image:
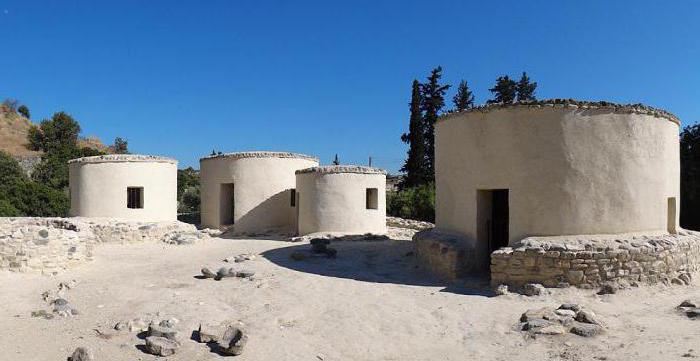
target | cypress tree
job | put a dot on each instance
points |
(504, 91)
(415, 162)
(464, 99)
(433, 94)
(526, 89)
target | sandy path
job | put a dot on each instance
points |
(368, 304)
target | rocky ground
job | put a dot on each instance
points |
(370, 302)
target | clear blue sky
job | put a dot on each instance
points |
(179, 78)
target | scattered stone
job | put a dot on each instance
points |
(245, 274)
(209, 333)
(81, 354)
(686, 278)
(534, 289)
(689, 303)
(62, 308)
(570, 306)
(169, 323)
(608, 288)
(540, 313)
(585, 316)
(161, 346)
(535, 324)
(240, 258)
(552, 329)
(207, 273)
(501, 290)
(693, 313)
(585, 329)
(233, 341)
(161, 331)
(565, 313)
(224, 272)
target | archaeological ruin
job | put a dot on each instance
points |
(526, 190)
(124, 186)
(341, 200)
(253, 191)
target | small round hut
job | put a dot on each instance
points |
(126, 186)
(253, 191)
(341, 199)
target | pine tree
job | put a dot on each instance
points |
(24, 110)
(433, 94)
(464, 99)
(121, 146)
(504, 91)
(414, 167)
(335, 160)
(526, 89)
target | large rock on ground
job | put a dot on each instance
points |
(160, 331)
(81, 354)
(585, 329)
(161, 346)
(233, 341)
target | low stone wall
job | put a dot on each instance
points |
(586, 263)
(48, 245)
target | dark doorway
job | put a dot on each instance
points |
(492, 224)
(226, 199)
(499, 220)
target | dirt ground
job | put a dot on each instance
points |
(370, 303)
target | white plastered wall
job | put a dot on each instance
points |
(98, 188)
(569, 171)
(336, 203)
(262, 185)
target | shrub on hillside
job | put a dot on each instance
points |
(413, 203)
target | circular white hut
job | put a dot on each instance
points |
(558, 167)
(253, 191)
(127, 186)
(341, 199)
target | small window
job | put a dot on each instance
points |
(371, 198)
(293, 200)
(134, 197)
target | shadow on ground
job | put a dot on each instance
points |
(388, 261)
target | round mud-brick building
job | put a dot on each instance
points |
(252, 191)
(125, 186)
(341, 200)
(552, 168)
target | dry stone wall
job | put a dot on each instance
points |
(48, 245)
(589, 263)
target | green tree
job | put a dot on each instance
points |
(433, 100)
(56, 135)
(526, 89)
(335, 160)
(504, 91)
(413, 203)
(24, 110)
(186, 178)
(415, 166)
(690, 173)
(464, 99)
(121, 146)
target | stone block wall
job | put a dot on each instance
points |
(641, 259)
(48, 245)
(45, 245)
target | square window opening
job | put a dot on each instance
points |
(372, 198)
(134, 197)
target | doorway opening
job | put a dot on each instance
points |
(492, 222)
(671, 215)
(226, 204)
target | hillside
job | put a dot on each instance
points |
(13, 136)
